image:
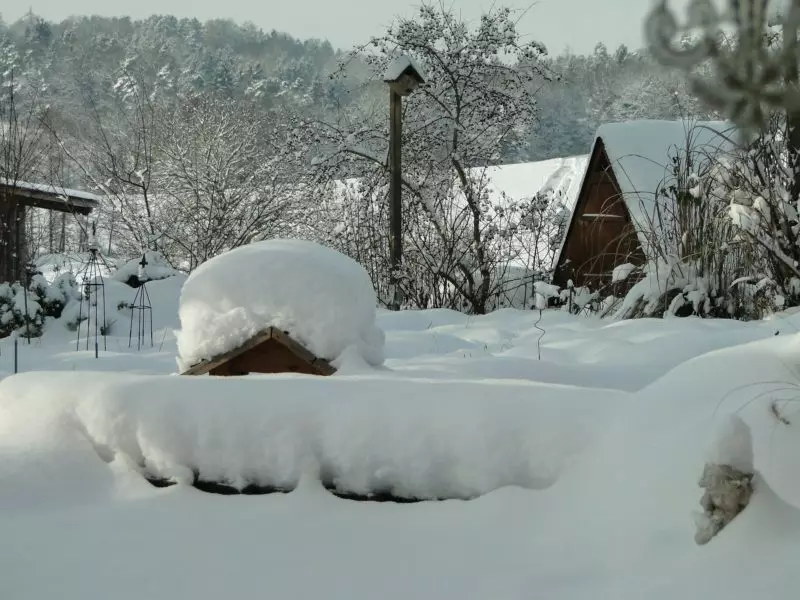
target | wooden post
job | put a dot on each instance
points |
(19, 223)
(395, 197)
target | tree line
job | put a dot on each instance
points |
(202, 137)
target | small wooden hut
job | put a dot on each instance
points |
(16, 197)
(271, 351)
(620, 216)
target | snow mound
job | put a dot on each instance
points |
(132, 272)
(415, 439)
(733, 445)
(324, 299)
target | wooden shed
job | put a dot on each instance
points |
(16, 197)
(271, 351)
(619, 216)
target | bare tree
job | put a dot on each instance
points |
(23, 143)
(114, 153)
(223, 174)
(479, 101)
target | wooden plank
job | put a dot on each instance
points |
(205, 366)
(37, 199)
(323, 366)
(319, 364)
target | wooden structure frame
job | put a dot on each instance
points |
(271, 351)
(625, 212)
(601, 233)
(15, 198)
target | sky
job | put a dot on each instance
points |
(575, 24)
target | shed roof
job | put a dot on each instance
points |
(52, 197)
(270, 333)
(513, 183)
(640, 153)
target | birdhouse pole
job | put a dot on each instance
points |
(395, 195)
(403, 77)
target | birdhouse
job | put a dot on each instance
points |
(272, 351)
(403, 75)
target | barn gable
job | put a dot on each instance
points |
(600, 231)
(619, 216)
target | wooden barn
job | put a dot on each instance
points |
(271, 351)
(619, 216)
(15, 200)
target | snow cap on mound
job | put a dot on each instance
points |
(733, 445)
(156, 267)
(324, 299)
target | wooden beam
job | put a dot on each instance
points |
(36, 199)
(205, 366)
(320, 364)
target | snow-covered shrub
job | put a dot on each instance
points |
(133, 274)
(757, 187)
(19, 311)
(669, 287)
(54, 297)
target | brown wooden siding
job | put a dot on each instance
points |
(12, 240)
(268, 357)
(600, 235)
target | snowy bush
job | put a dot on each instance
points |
(19, 311)
(133, 274)
(452, 229)
(759, 187)
(54, 297)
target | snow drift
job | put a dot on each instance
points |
(410, 439)
(323, 298)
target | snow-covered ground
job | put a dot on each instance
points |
(583, 464)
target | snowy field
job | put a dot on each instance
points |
(581, 466)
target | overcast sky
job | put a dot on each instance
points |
(577, 24)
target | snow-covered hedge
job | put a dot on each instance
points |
(24, 311)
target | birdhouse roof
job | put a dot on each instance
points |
(271, 333)
(400, 65)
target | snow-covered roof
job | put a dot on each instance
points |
(396, 67)
(640, 153)
(58, 193)
(562, 176)
(323, 299)
(513, 183)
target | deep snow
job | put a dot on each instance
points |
(599, 447)
(324, 299)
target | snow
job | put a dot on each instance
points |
(622, 272)
(733, 445)
(59, 191)
(561, 176)
(508, 184)
(324, 299)
(640, 153)
(398, 65)
(156, 268)
(584, 463)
